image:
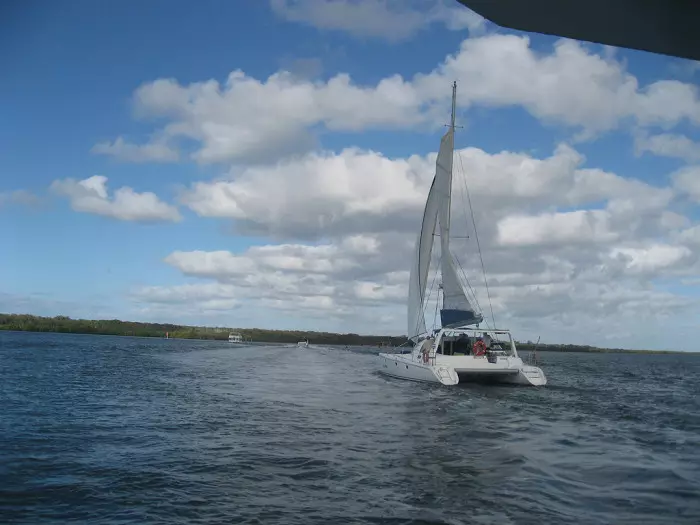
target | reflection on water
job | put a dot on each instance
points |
(126, 430)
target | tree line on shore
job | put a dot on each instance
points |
(64, 324)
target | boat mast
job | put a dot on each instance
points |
(454, 104)
(452, 128)
(444, 242)
(471, 209)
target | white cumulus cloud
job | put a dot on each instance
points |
(668, 145)
(568, 246)
(22, 197)
(582, 226)
(550, 267)
(356, 191)
(128, 152)
(262, 120)
(91, 196)
(391, 20)
(687, 181)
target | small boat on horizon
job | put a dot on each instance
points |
(303, 344)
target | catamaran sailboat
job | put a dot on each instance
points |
(459, 350)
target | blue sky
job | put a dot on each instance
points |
(216, 170)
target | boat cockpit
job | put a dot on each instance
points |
(460, 342)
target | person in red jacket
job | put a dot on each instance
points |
(479, 347)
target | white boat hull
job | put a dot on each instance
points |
(404, 367)
(530, 376)
(451, 370)
(502, 369)
(459, 364)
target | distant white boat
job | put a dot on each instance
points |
(454, 352)
(303, 344)
(235, 337)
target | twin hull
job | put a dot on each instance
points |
(450, 370)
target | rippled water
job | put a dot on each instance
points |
(127, 430)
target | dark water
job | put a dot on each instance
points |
(110, 430)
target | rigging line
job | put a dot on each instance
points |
(431, 289)
(476, 300)
(461, 268)
(476, 235)
(469, 284)
(466, 223)
(437, 305)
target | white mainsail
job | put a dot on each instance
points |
(443, 175)
(456, 308)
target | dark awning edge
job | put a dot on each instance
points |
(667, 27)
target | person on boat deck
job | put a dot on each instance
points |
(425, 347)
(487, 340)
(479, 347)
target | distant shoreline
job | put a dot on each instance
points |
(115, 327)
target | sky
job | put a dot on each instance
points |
(266, 163)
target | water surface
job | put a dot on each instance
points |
(111, 430)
